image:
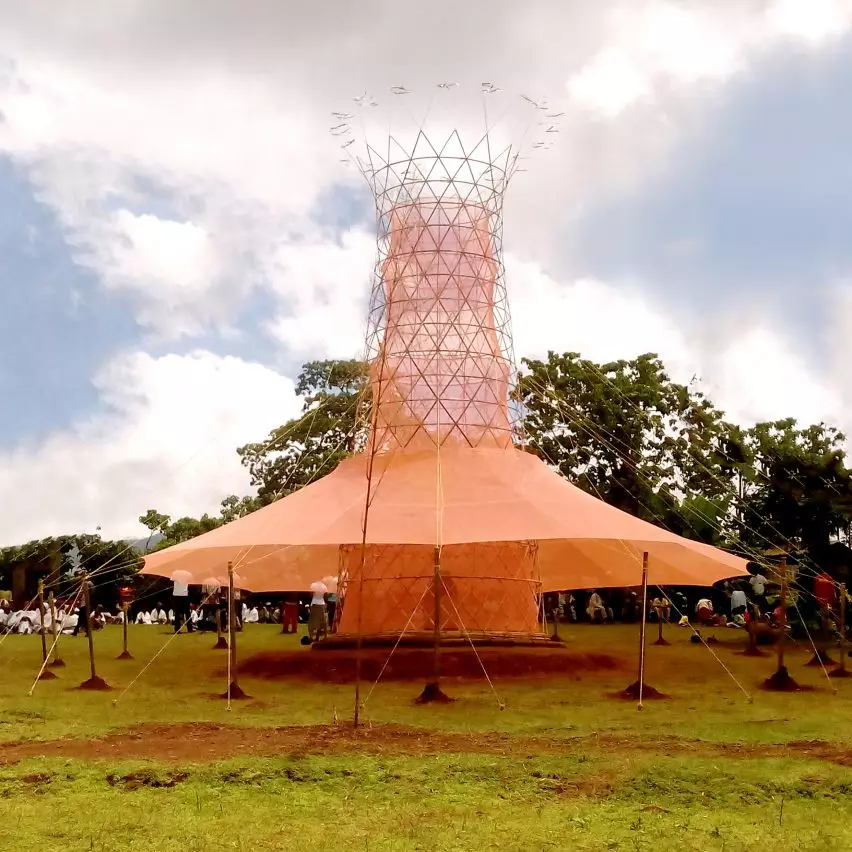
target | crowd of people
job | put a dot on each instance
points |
(70, 619)
(734, 603)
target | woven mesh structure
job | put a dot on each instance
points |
(486, 589)
(439, 341)
(441, 361)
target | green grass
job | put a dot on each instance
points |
(615, 792)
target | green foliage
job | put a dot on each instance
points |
(114, 562)
(624, 431)
(331, 427)
(792, 483)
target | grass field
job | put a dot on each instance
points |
(163, 765)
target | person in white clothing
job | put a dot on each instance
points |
(758, 591)
(318, 617)
(596, 609)
(739, 602)
(704, 611)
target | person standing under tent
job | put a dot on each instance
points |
(331, 604)
(739, 602)
(758, 590)
(180, 605)
(318, 617)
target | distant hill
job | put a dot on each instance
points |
(142, 543)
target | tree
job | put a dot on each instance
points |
(627, 433)
(793, 484)
(174, 532)
(111, 563)
(331, 427)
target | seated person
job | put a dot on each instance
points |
(596, 609)
(704, 611)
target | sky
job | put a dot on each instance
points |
(178, 234)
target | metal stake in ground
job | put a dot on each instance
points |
(841, 671)
(781, 680)
(45, 674)
(58, 662)
(94, 682)
(125, 654)
(432, 691)
(234, 691)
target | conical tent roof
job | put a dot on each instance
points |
(477, 495)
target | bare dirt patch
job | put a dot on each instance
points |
(207, 742)
(414, 664)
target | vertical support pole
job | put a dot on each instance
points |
(642, 627)
(234, 690)
(436, 584)
(125, 654)
(58, 662)
(44, 674)
(843, 627)
(432, 690)
(43, 630)
(87, 597)
(94, 682)
(782, 639)
(220, 639)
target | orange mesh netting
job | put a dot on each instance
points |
(439, 374)
(487, 587)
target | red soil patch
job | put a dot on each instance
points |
(415, 664)
(206, 742)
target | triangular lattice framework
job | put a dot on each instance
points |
(439, 339)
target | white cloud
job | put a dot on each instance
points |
(752, 372)
(165, 438)
(812, 21)
(653, 46)
(324, 289)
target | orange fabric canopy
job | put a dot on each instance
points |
(453, 497)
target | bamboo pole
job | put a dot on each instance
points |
(782, 639)
(94, 682)
(642, 628)
(45, 674)
(234, 690)
(58, 662)
(436, 583)
(125, 654)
